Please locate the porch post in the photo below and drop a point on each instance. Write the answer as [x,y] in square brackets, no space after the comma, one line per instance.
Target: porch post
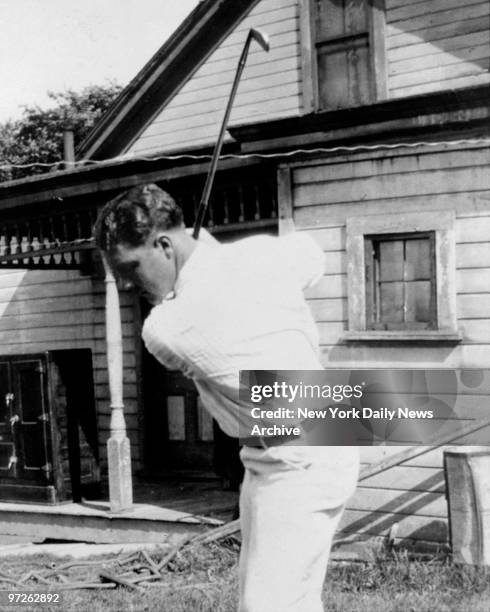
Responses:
[118,447]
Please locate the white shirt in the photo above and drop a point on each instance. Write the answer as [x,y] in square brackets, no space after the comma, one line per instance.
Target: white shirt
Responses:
[238,306]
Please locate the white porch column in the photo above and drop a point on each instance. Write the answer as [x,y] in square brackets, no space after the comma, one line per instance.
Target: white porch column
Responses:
[118,447]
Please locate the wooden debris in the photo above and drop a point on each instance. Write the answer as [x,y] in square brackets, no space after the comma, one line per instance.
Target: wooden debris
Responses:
[118,580]
[134,571]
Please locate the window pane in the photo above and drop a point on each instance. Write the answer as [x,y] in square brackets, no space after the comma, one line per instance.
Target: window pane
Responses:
[176,417]
[356,18]
[340,17]
[343,74]
[418,259]
[391,260]
[401,291]
[418,301]
[391,302]
[330,18]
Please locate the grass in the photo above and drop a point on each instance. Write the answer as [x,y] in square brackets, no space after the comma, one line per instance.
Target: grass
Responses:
[395,582]
[204,579]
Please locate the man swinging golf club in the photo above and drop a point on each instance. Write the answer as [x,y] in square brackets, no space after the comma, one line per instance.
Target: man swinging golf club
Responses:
[219,309]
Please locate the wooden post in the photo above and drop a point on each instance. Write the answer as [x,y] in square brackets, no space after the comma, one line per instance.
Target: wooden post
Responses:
[118,447]
[68,147]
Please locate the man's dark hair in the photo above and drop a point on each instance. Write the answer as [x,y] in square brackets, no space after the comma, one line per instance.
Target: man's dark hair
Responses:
[130,218]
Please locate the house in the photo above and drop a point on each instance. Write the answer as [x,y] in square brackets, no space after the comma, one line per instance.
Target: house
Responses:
[367,125]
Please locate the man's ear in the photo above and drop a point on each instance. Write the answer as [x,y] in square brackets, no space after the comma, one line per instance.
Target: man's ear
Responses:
[165,243]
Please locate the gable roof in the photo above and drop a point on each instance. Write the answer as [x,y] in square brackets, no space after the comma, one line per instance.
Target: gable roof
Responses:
[162,77]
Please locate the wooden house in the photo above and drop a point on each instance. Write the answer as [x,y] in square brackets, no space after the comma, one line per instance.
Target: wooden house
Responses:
[366,125]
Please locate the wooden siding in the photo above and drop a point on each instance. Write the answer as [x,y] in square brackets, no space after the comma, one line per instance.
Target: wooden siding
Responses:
[436,44]
[49,310]
[324,194]
[270,85]
[431,45]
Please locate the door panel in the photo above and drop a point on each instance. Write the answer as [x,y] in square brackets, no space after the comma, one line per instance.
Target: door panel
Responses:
[30,430]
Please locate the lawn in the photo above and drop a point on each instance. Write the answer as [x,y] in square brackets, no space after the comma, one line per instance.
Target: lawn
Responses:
[203,578]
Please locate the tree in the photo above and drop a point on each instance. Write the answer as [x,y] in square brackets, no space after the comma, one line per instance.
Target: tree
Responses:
[38,136]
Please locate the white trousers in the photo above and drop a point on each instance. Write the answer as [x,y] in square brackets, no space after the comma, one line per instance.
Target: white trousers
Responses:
[291,502]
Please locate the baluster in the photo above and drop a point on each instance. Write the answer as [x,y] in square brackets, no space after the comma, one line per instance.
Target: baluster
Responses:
[257,203]
[18,241]
[241,203]
[28,243]
[14,244]
[273,200]
[63,239]
[52,243]
[226,208]
[64,228]
[195,206]
[211,211]
[5,249]
[36,245]
[41,261]
[78,226]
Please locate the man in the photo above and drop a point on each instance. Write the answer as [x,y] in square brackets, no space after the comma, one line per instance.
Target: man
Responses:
[219,309]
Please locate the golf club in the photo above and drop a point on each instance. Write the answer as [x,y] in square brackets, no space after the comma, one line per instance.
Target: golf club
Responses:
[263,40]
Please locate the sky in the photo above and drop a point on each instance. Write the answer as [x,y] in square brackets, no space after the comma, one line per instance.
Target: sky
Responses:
[55,45]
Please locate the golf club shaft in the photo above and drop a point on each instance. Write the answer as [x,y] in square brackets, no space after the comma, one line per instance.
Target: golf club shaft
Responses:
[217,149]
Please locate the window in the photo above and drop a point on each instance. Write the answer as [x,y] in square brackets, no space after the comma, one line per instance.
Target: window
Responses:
[400,281]
[344,53]
[401,277]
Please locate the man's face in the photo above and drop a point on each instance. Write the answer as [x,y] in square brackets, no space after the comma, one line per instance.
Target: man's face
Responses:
[150,269]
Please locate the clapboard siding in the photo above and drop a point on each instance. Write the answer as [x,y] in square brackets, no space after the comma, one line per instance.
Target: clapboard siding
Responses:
[459,180]
[51,309]
[430,46]
[438,60]
[436,45]
[325,192]
[270,85]
[405,9]
[377,523]
[430,459]
[448,47]
[424,502]
[406,477]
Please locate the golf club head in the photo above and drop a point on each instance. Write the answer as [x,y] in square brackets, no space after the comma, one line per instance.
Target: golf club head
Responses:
[261,38]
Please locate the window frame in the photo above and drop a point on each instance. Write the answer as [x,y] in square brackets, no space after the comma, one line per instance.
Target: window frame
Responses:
[373,298]
[442,224]
[309,63]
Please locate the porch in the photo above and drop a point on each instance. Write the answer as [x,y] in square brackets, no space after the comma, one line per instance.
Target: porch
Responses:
[163,511]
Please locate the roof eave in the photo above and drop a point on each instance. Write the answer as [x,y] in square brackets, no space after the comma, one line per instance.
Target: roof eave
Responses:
[163,76]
